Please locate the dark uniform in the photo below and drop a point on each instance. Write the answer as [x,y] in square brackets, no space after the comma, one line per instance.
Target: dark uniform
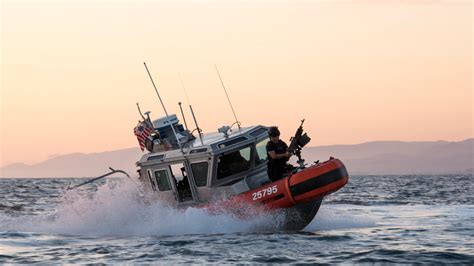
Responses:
[276,167]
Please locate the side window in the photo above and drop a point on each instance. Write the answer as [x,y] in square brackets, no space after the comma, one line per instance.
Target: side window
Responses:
[200,173]
[162,180]
[178,171]
[261,149]
[152,180]
[233,163]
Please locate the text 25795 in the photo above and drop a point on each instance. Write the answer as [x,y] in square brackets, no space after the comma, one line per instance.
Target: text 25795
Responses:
[264,192]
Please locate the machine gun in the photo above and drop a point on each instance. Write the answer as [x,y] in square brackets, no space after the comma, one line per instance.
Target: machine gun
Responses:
[297,142]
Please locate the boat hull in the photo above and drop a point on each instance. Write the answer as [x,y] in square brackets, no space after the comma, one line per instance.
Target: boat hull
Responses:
[298,196]
[299,216]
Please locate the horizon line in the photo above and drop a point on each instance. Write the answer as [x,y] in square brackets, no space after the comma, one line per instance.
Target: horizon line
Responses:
[119,149]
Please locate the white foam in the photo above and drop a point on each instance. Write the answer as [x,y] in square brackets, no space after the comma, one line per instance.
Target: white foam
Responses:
[119,211]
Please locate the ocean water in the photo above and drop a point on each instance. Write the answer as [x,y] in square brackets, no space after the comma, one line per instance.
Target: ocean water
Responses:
[374,219]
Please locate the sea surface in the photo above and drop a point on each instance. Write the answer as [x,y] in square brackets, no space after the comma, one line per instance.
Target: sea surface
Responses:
[374,219]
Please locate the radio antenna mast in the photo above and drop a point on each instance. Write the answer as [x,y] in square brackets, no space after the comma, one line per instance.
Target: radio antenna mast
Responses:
[228,99]
[184,88]
[182,114]
[167,116]
[191,108]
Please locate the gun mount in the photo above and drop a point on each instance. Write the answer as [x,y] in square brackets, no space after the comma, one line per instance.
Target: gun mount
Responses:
[297,142]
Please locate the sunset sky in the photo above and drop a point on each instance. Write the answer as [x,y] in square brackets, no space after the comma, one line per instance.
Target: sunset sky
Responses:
[72,71]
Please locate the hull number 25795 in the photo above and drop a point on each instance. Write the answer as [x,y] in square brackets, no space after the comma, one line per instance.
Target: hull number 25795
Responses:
[264,192]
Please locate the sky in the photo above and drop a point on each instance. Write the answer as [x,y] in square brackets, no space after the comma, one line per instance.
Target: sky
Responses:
[357,71]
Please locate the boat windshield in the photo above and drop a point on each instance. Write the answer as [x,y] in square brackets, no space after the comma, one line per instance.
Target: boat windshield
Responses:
[261,149]
[233,163]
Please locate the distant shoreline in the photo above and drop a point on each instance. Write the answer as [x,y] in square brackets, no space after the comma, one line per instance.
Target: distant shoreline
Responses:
[368,158]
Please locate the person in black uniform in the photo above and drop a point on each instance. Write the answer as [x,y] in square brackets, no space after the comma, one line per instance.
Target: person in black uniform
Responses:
[278,155]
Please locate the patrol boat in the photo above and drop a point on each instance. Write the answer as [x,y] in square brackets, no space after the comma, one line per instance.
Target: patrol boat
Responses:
[226,171]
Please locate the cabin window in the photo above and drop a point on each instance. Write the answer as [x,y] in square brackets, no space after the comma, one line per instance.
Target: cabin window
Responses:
[258,132]
[156,157]
[261,149]
[178,171]
[233,163]
[231,142]
[162,180]
[200,173]
[198,150]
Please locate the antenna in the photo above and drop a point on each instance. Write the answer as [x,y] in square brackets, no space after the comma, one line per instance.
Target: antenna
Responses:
[191,108]
[182,114]
[228,99]
[167,116]
[197,126]
[184,88]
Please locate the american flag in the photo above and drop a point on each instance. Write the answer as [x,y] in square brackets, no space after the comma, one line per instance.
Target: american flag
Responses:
[142,131]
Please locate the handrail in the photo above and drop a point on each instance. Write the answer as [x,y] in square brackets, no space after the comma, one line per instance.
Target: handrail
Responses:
[113,171]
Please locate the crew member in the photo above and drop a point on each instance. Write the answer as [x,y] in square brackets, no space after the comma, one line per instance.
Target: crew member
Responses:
[278,155]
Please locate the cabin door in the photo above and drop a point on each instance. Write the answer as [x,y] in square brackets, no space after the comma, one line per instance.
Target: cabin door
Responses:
[184,186]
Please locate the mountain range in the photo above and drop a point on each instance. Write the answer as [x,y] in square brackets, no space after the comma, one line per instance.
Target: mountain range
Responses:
[370,158]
